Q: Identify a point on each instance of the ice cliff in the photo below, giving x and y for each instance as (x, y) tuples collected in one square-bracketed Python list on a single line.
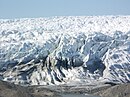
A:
[(58, 50)]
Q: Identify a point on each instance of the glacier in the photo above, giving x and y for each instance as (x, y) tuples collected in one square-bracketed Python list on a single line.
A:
[(65, 49)]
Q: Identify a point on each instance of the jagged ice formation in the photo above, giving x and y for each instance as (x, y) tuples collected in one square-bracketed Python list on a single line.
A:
[(58, 50)]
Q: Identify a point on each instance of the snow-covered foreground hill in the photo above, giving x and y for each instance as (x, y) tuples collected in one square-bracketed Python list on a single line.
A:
[(62, 50)]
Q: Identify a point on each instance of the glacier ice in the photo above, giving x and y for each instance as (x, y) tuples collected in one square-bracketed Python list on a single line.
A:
[(59, 50)]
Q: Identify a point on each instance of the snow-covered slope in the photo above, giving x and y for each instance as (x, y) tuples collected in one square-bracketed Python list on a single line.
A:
[(58, 50)]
